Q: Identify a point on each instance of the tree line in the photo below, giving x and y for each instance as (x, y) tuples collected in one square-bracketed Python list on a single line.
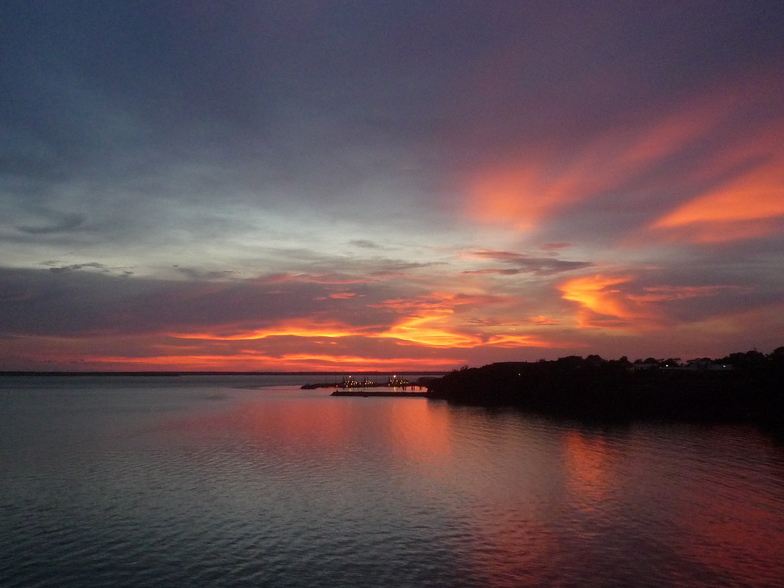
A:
[(740, 387)]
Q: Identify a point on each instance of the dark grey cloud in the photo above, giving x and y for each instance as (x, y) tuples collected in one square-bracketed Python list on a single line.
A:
[(170, 122), (90, 298), (328, 104), (321, 101), (60, 269), (523, 263), (365, 244), (391, 267), (65, 223), (305, 263), (73, 301), (198, 274)]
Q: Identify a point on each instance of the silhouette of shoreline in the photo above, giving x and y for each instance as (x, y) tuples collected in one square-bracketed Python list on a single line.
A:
[(740, 388)]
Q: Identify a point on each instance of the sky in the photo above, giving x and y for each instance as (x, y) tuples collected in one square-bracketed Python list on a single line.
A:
[(388, 185)]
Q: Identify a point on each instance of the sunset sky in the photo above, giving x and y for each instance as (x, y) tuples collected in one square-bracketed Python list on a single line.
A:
[(388, 185)]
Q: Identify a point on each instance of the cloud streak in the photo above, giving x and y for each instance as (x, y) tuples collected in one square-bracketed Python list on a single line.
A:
[(523, 263)]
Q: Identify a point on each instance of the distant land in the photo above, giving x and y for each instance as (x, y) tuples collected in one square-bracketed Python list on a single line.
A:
[(741, 387)]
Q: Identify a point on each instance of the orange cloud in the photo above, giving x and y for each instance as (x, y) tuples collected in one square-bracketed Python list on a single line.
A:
[(250, 361), (294, 328), (429, 324), (546, 179), (544, 320), (323, 278), (610, 301), (511, 341), (429, 321), (441, 301), (419, 329), (662, 293), (423, 331), (734, 177), (595, 294), (751, 205)]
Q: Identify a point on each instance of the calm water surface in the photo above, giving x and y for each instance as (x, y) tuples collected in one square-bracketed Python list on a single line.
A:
[(207, 481)]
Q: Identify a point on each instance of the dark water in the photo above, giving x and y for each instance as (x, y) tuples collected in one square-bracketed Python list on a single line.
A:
[(207, 482)]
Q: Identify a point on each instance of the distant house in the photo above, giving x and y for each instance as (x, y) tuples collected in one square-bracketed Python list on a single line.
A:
[(645, 366), (706, 364), (721, 367), (702, 364)]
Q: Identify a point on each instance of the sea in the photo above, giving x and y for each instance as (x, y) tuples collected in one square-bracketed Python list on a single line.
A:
[(249, 480)]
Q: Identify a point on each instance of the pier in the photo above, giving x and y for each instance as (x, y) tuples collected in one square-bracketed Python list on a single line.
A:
[(379, 394), (351, 387)]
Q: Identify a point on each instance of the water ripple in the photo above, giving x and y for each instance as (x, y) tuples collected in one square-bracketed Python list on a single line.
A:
[(219, 487)]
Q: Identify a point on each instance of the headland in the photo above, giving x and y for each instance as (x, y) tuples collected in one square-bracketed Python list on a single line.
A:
[(741, 387)]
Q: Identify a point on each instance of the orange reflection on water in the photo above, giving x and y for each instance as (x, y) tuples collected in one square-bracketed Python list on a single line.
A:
[(734, 534), (306, 427), (734, 539), (422, 429), (512, 539), (514, 551), (585, 463), (415, 432)]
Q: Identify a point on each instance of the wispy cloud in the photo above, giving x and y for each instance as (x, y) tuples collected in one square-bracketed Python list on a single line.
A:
[(704, 170), (524, 263), (621, 302), (62, 223)]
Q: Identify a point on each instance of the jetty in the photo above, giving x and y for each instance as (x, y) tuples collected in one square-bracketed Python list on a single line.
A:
[(379, 394), (356, 387)]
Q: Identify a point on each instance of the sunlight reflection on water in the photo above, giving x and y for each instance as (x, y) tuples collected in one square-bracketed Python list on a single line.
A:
[(205, 483)]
